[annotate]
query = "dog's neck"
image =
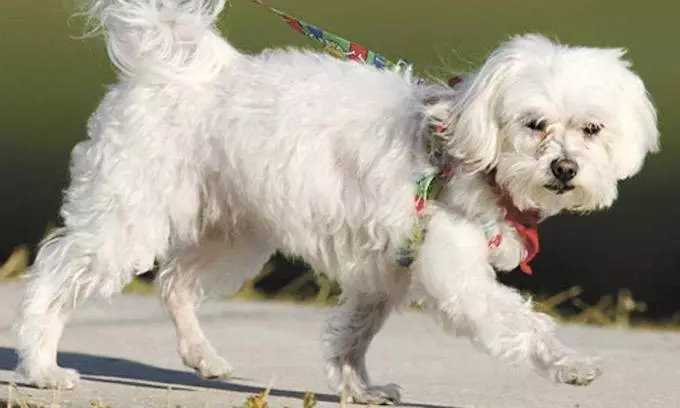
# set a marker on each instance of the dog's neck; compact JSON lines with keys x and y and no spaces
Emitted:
{"x":529,"y":217}
{"x":479,"y":198}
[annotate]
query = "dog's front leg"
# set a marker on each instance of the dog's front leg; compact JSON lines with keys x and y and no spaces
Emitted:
{"x":454,"y":269}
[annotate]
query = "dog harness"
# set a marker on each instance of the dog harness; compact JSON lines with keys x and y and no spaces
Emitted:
{"x":429,"y":183}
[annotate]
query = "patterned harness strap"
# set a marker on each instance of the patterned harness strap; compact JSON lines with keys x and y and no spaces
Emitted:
{"x":428,"y":186}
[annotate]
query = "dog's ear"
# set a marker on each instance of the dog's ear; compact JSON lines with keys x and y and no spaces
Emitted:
{"x":637,"y":133}
{"x":472,"y":114}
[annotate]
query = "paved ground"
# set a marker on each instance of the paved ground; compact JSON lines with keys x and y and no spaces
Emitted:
{"x":126,"y":353}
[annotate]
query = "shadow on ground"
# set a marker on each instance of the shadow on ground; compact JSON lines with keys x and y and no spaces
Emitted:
{"x":126,"y":372}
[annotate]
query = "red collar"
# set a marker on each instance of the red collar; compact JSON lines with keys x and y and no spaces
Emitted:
{"x":525,"y":223}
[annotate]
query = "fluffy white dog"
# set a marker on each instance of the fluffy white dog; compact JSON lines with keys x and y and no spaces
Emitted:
{"x":206,"y":160}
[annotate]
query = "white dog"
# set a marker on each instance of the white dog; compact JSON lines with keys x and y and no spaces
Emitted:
{"x":206,"y":160}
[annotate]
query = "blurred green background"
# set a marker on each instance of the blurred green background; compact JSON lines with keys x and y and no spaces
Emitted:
{"x":51,"y":82}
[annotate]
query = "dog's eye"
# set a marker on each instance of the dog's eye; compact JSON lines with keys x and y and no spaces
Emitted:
{"x":538,"y":125}
{"x":591,"y":129}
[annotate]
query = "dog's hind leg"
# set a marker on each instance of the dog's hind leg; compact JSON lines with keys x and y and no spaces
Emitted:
{"x":60,"y":263}
{"x":70,"y":266}
{"x":218,"y":265}
{"x":119,"y":216}
{"x":348,"y":336}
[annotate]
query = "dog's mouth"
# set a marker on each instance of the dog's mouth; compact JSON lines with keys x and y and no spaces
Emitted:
{"x":559,"y":187}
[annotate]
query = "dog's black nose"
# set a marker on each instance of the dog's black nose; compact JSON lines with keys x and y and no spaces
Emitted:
{"x":564,"y":169}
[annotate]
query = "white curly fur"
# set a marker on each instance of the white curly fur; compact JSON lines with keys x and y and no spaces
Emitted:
{"x":206,"y":160}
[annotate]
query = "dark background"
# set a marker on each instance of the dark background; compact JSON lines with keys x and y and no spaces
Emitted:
{"x":50,"y":83}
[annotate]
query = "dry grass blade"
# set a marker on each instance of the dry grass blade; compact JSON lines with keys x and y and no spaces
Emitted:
{"x":16,"y":264}
{"x":549,"y":304}
{"x":592,"y":314}
{"x":259,"y":400}
{"x":309,"y":400}
{"x":608,"y":311}
{"x":291,"y":288}
{"x":625,"y":305}
{"x":325,"y":288}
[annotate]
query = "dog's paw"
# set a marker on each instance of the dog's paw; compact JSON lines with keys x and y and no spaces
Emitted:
{"x":53,"y":377}
{"x":205,"y":360}
{"x":576,"y":371}
{"x":214,"y":367}
{"x":389,"y":394}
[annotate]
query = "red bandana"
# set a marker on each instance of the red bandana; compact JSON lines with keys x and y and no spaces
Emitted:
{"x":526,"y":225}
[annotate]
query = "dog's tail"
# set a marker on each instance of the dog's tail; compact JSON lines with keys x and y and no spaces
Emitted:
{"x":161,"y":39}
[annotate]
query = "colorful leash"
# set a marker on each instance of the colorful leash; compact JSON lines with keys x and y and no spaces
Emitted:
{"x":339,"y":46}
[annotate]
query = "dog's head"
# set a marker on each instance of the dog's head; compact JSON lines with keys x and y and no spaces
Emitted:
{"x":561,"y":125}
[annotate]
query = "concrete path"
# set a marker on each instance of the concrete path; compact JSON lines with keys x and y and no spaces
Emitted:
{"x":125,"y":351}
